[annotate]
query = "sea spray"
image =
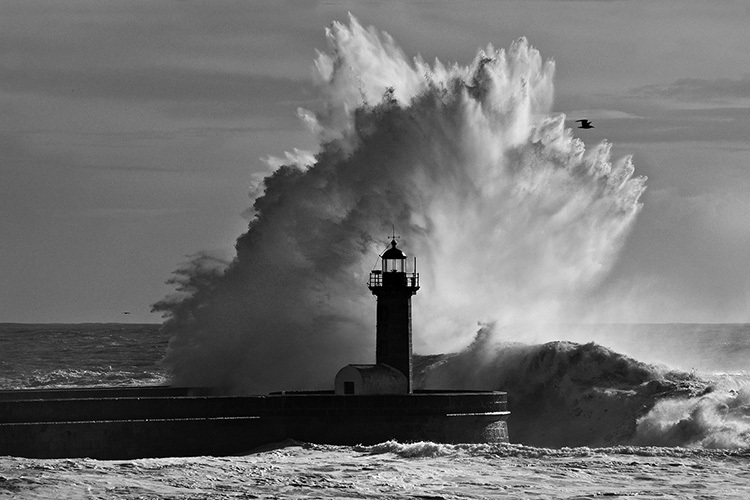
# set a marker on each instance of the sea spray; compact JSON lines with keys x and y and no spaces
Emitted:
{"x":718,"y":419}
{"x":512,"y":219}
{"x":568,"y":394}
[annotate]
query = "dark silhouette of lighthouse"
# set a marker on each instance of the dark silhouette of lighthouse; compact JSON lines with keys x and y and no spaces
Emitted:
{"x":393,"y":287}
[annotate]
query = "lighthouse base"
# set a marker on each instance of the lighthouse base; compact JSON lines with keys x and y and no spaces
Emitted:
{"x":141,"y":422}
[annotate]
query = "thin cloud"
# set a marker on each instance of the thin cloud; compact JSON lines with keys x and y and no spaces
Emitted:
{"x":662,"y":114}
{"x":136,"y":168}
{"x":133,"y":213}
{"x":702,"y":125}
{"x":601,"y":114}
{"x":154,"y":84}
{"x":691,"y":89}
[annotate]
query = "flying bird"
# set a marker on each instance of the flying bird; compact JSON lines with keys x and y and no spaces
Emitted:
{"x":126,"y":312}
{"x":585,"y":124}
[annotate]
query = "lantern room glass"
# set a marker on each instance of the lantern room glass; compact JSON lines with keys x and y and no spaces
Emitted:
{"x":393,"y":265}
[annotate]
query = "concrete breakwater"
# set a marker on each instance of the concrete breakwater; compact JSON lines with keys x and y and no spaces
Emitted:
{"x":140,"y":422}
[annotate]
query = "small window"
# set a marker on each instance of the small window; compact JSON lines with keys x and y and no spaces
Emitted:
{"x":348,"y":387}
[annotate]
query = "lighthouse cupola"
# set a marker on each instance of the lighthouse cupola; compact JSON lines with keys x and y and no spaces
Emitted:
{"x":394,"y":286}
{"x":394,"y":260}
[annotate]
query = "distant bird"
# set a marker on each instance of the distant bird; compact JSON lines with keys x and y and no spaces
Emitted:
{"x":585,"y":124}
{"x":126,"y":312}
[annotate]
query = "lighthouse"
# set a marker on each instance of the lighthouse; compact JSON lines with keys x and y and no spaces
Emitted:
{"x":394,"y":286}
{"x":392,"y":373}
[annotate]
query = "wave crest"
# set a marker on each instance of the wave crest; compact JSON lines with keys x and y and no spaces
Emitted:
{"x":567,"y":394}
{"x":720,"y":419}
{"x":68,"y":378}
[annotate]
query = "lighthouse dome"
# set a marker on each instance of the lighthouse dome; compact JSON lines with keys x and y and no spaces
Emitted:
{"x":394,"y":253}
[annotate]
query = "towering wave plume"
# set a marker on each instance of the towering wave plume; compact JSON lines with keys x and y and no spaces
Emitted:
{"x":510,"y":215}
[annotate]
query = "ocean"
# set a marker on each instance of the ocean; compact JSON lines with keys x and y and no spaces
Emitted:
{"x":80,"y":355}
{"x":589,"y":421}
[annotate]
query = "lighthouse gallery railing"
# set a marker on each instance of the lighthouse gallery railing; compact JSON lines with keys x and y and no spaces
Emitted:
{"x":380,"y":279}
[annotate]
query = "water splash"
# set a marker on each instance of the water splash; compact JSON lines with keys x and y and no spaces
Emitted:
{"x":509,"y":214}
{"x":720,"y":419}
{"x":568,"y":394}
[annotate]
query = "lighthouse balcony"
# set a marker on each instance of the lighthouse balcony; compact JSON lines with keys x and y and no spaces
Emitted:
{"x":393,"y":279}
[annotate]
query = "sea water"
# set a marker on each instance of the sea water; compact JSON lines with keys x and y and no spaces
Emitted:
{"x":46,"y":356}
{"x":82,"y":355}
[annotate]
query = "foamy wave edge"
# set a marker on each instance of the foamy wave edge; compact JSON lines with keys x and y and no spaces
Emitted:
{"x":428,"y":449}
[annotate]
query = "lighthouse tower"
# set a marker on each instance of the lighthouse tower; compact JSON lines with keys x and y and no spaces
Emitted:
{"x":394,"y":286}
{"x":392,"y":371}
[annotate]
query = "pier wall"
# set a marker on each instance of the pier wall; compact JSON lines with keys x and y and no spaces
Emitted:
{"x":160,"y":421}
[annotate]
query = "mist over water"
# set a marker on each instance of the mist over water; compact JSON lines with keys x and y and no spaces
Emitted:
{"x":513,"y":220}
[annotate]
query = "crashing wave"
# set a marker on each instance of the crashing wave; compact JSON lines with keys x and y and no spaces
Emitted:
{"x":511,"y":217}
{"x":568,"y":394}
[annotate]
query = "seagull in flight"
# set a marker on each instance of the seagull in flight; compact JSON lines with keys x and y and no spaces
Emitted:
{"x":585,"y":124}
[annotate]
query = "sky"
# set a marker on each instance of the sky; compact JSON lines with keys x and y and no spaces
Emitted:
{"x":133,"y":135}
